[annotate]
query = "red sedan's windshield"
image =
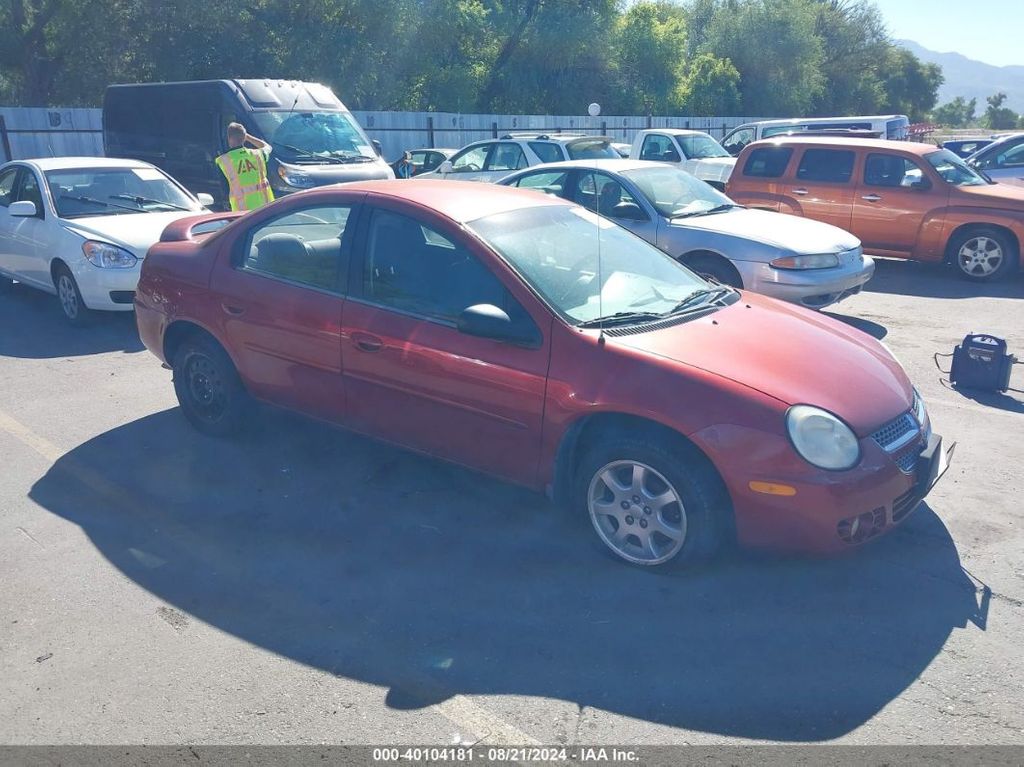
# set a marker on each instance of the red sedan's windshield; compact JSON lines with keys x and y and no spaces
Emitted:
{"x":585,"y":266}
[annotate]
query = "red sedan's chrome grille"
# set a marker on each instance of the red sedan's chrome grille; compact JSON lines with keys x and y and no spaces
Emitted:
{"x":896,"y":433}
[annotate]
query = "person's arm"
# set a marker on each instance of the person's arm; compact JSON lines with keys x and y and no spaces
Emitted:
{"x":257,"y":143}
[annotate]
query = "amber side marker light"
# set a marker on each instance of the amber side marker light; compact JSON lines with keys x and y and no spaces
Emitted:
{"x":772,"y":488}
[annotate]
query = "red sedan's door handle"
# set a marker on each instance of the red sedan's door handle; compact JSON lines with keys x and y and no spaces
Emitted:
{"x":800,"y":192}
{"x":234,"y":311}
{"x":367,"y":343}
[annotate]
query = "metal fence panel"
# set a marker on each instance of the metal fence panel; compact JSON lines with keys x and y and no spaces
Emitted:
{"x":44,"y":132}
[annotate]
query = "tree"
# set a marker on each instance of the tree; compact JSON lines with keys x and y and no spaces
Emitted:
{"x":911,"y":86}
{"x":998,"y":117}
{"x":958,"y":113}
{"x":712,"y":87}
{"x":649,"y":44}
{"x":774,"y":47}
{"x":854,"y":41}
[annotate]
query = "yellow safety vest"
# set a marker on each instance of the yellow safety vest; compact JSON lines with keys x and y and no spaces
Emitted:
{"x":246,"y":172}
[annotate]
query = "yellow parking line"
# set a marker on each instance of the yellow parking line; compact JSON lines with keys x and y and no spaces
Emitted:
{"x":470,"y":719}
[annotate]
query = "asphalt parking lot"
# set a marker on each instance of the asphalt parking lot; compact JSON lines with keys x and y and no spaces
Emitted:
{"x":302,"y":585}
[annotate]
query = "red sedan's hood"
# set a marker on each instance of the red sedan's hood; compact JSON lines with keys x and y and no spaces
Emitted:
{"x":794,"y":355}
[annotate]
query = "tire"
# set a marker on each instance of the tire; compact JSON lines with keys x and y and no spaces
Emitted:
{"x":209,"y":391}
{"x":982,"y":254}
{"x":70,"y":298}
{"x":717,"y":269}
{"x":689,"y":526}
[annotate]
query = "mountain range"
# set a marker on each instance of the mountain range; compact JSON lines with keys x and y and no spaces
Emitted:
{"x":973,"y":79}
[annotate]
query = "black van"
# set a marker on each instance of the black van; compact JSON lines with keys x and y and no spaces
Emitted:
{"x":181,"y":128}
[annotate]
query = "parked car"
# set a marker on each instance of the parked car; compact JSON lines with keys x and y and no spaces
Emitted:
{"x":902,"y":199}
{"x":693,"y":151}
{"x":1002,"y":160}
{"x":622,"y":149}
{"x":491,"y":159}
{"x":182,"y":128}
{"x":787,"y":257}
{"x":524,"y":336}
{"x":891,"y":127}
{"x":424,"y":160}
{"x":965,"y":147}
{"x":79,"y":227}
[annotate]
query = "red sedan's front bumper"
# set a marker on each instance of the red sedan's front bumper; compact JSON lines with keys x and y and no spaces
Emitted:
{"x":829,"y":511}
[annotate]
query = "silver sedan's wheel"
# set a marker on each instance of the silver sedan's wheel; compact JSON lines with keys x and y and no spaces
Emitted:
{"x":68,"y":295}
{"x":980,"y":257}
{"x":637,"y":512}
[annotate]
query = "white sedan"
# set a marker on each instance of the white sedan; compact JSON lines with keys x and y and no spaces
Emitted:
{"x":79,"y":227}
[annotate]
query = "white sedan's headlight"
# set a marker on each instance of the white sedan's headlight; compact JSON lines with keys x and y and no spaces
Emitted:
{"x":817,"y":261}
{"x":821,"y":439}
{"x":295,"y":177}
{"x":107,"y":256}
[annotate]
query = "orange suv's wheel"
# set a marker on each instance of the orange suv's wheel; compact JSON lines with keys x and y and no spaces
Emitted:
{"x":983,"y":254}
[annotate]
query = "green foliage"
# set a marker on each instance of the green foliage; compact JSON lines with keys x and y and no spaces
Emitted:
{"x":998,"y":117}
{"x":911,"y":86}
{"x":752,"y":57}
{"x":712,"y":87}
{"x":958,"y":113}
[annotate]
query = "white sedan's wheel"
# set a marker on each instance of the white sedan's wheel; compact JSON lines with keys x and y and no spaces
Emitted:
{"x":75,"y":310}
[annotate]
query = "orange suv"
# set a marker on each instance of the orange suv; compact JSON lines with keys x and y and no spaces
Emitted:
{"x":901,"y":199}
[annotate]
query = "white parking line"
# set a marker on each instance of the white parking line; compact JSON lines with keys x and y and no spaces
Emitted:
{"x":467,"y":716}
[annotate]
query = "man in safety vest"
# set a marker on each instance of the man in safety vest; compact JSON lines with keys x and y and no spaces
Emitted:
{"x":246,"y":170}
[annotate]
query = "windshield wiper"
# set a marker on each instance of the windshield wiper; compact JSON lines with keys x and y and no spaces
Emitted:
{"x":620,"y":318}
{"x":309,"y":153}
{"x":138,"y":200}
{"x":701,"y":296}
{"x":716,"y":209}
{"x":94,"y":201}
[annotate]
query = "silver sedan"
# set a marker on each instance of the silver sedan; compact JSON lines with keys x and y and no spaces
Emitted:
{"x":787,"y":257}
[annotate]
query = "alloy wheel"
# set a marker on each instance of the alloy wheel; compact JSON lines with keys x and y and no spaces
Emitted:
{"x":637,"y":512}
{"x":68,"y":295}
{"x":980,"y":256}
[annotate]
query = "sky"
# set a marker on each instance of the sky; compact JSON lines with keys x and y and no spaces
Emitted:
{"x":972,"y":29}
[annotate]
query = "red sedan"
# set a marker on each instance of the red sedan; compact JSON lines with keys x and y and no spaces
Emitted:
{"x":522,"y":336}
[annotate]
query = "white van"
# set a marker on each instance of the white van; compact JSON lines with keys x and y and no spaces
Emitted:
{"x":892,"y":127}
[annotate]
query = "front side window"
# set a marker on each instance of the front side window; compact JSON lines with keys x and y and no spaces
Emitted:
{"x":412,"y":268}
{"x":552,"y":182}
{"x":739,"y":138}
{"x":602,"y":194}
{"x":30,"y":192}
{"x":547,"y":151}
{"x":954,"y":170}
{"x":305,"y":247}
{"x":1010,"y":158}
{"x":7,"y":179}
{"x":471,"y":160}
{"x":115,"y":191}
{"x":768,"y":162}
{"x":506,"y":157}
{"x":833,"y":166}
{"x":658,"y":147}
{"x":555,"y":249}
{"x":889,"y":170}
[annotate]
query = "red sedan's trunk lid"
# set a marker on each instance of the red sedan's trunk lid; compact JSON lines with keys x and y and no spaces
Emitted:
{"x":792,"y":354}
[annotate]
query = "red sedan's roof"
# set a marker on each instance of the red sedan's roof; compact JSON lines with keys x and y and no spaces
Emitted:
{"x":460,"y":201}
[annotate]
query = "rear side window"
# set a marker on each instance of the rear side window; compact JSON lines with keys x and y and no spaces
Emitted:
{"x":768,"y":162}
{"x":828,"y":165}
{"x":506,"y":157}
{"x":547,"y":152}
{"x":304,"y":247}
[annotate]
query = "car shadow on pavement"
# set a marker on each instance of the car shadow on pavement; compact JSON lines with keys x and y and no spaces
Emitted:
{"x":374,"y":564}
{"x":33,"y":327}
{"x":913,"y":278}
